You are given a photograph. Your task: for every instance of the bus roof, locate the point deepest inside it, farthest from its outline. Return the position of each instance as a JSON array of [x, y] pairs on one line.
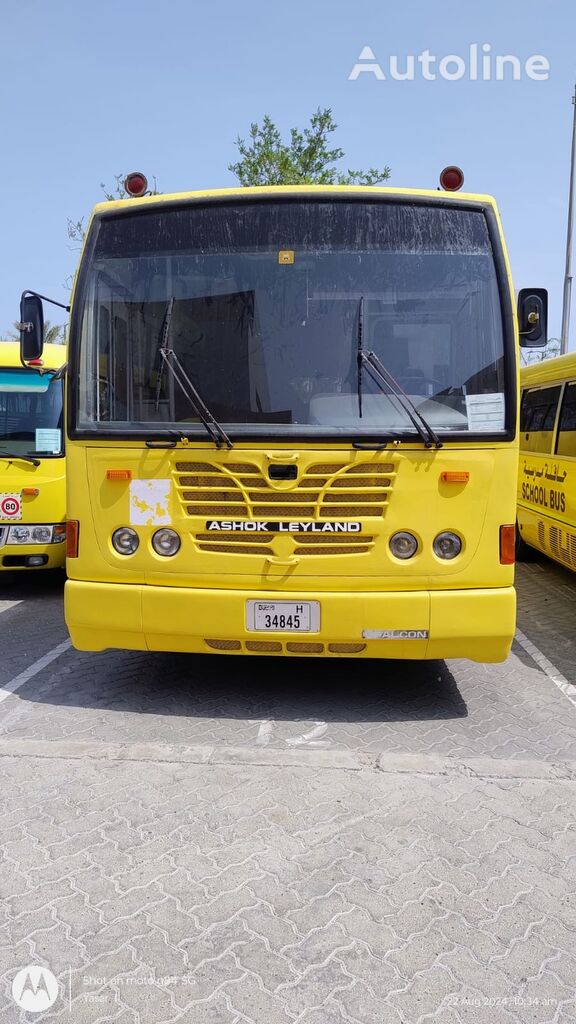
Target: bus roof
[[549, 370], [271, 191], [53, 356]]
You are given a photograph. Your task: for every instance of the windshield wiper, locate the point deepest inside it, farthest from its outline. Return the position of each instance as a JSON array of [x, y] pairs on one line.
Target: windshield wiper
[[14, 455], [387, 383], [173, 364]]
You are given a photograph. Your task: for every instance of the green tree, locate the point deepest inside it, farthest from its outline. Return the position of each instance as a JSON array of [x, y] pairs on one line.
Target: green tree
[[265, 159]]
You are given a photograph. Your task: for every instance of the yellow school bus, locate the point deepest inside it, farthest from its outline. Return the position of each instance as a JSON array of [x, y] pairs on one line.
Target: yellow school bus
[[292, 425], [32, 473], [547, 476]]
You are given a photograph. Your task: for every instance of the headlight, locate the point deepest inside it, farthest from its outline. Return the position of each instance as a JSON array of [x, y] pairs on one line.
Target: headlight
[[447, 545], [403, 545], [37, 533], [19, 535], [166, 542], [125, 540], [41, 534]]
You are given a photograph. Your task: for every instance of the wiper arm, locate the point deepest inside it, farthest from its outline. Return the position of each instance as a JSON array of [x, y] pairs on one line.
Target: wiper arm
[[173, 364], [385, 381], [14, 455], [60, 373]]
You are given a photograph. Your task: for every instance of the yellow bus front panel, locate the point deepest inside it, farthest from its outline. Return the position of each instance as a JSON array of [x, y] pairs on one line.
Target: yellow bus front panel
[[463, 607]]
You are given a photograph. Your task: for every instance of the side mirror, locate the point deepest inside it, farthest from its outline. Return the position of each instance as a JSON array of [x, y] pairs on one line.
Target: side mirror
[[533, 317], [31, 326]]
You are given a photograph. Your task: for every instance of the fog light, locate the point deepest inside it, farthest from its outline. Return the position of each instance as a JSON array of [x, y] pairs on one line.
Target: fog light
[[166, 542], [42, 534], [403, 545], [447, 545], [36, 560], [125, 540]]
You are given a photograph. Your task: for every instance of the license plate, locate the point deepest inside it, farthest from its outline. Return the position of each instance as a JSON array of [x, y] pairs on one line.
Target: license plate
[[283, 616]]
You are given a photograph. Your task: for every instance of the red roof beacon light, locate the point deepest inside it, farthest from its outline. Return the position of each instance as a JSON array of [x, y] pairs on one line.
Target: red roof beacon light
[[452, 179], [136, 184]]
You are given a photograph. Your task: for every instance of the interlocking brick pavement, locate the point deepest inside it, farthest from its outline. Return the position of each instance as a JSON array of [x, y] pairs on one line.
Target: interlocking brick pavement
[[347, 895], [227, 840]]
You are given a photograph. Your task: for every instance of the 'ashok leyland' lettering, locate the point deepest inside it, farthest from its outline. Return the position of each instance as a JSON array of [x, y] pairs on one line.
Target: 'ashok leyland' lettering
[[254, 526]]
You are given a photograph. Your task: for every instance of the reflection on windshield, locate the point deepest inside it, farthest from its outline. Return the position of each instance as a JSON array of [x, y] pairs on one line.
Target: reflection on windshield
[[265, 317], [30, 412]]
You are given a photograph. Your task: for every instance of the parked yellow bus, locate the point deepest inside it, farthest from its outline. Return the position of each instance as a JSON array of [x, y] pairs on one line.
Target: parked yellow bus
[[292, 424], [32, 473], [547, 476]]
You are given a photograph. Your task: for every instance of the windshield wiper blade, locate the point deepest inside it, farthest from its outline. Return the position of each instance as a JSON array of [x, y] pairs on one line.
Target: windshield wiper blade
[[385, 381], [360, 352], [172, 363], [15, 455]]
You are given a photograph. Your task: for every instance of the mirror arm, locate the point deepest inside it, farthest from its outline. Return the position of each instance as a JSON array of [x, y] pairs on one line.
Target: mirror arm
[[46, 299]]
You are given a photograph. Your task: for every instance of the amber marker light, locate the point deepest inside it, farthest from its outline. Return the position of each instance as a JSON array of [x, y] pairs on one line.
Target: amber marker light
[[507, 545], [455, 477], [118, 474], [72, 531]]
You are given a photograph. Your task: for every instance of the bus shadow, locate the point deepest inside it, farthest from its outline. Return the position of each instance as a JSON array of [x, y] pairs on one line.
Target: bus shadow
[[241, 688], [32, 585]]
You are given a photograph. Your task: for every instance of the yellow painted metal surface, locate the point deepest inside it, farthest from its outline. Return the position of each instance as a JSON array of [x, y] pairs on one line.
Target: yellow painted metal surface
[[475, 624], [48, 479], [547, 478]]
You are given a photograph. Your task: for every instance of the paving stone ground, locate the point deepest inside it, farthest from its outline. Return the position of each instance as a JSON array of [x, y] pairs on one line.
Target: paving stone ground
[[224, 840]]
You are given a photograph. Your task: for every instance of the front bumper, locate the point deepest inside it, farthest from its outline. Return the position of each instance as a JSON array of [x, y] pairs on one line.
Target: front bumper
[[15, 557], [474, 624]]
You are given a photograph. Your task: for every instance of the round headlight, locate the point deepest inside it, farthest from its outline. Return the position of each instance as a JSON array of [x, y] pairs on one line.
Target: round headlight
[[166, 542], [403, 545], [447, 545], [42, 534], [20, 535], [125, 540]]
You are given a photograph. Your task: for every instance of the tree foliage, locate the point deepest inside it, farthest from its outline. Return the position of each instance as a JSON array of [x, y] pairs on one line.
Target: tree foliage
[[265, 159]]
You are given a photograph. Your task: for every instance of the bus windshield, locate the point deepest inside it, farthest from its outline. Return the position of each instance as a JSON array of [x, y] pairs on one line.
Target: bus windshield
[[265, 318], [30, 413]]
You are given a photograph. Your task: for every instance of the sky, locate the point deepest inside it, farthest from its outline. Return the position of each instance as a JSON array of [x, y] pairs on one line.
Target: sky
[[89, 91]]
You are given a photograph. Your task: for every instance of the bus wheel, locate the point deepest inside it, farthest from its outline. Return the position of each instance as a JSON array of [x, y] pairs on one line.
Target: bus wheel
[[524, 553]]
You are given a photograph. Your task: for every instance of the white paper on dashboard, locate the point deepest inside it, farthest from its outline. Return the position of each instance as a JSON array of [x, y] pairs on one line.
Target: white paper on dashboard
[[48, 439], [485, 412]]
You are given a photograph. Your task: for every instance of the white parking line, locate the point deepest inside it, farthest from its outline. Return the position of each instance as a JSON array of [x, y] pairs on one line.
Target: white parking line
[[33, 670], [5, 605], [568, 689]]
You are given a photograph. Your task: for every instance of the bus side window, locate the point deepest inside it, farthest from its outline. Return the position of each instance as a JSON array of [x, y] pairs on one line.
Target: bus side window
[[537, 418], [567, 428]]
